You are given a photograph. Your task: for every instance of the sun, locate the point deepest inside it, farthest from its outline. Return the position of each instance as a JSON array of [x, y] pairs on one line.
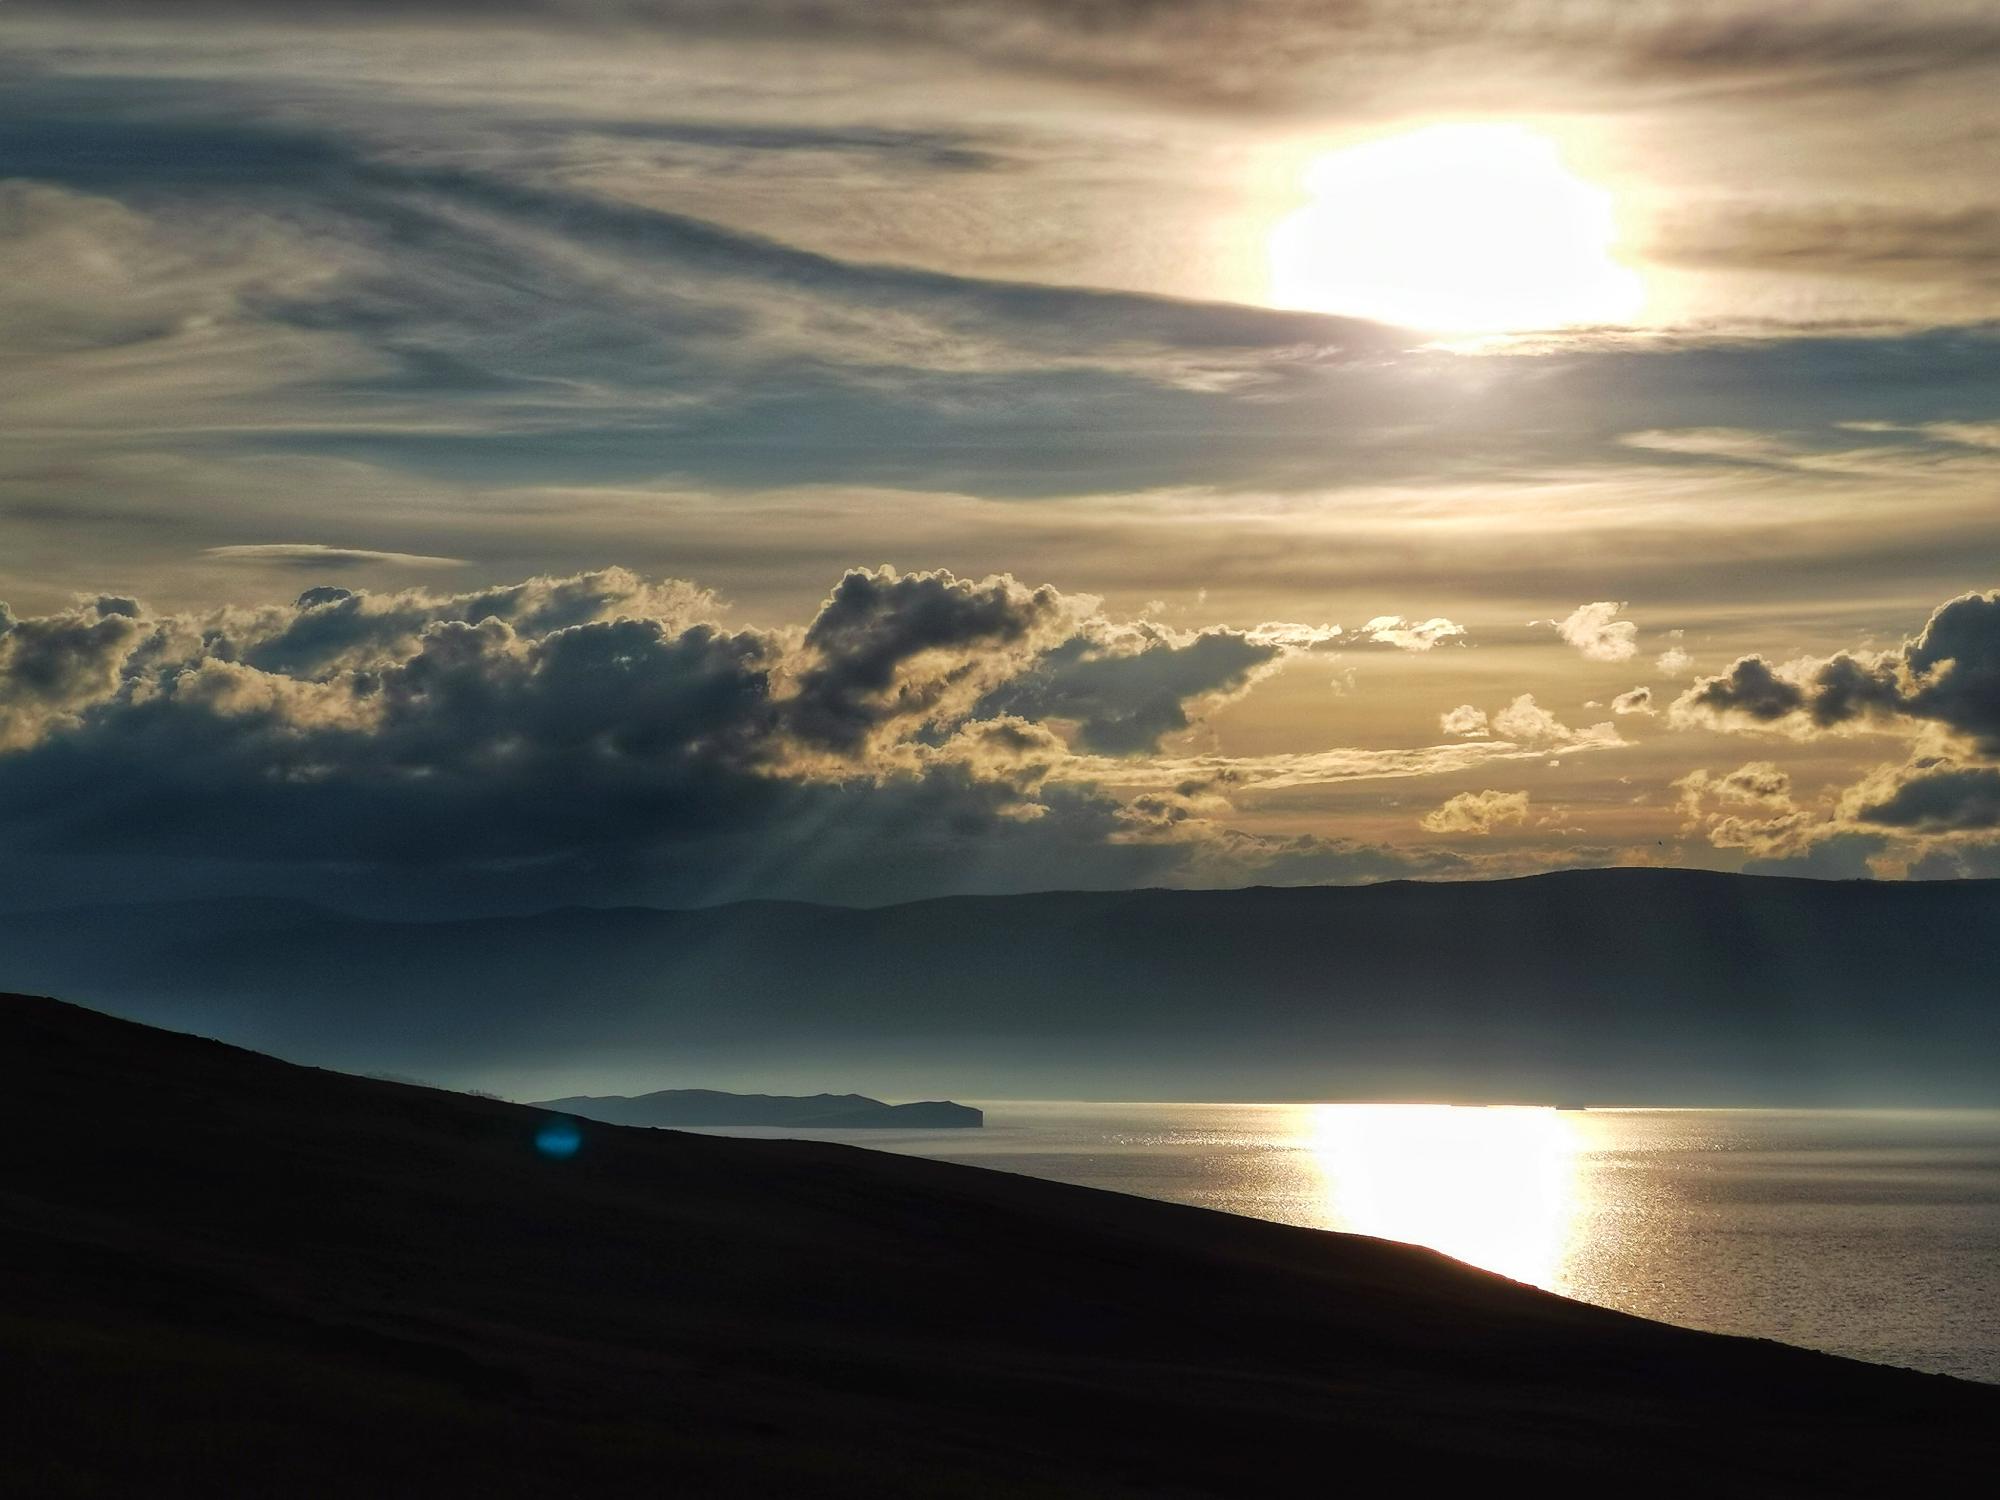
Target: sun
[[1454, 229]]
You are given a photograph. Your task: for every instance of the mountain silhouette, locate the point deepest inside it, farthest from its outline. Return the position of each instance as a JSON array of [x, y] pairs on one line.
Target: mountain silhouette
[[1670, 987]]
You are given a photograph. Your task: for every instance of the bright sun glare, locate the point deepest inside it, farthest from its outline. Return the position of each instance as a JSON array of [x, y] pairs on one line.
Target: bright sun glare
[[1495, 1187], [1454, 229]]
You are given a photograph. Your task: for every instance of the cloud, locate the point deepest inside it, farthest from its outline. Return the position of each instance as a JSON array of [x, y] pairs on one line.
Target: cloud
[[53, 666], [1528, 723], [1410, 635], [1966, 861], [1953, 669], [1476, 812], [1264, 56], [1750, 692], [318, 555], [1929, 797], [608, 733], [1757, 782], [1595, 630], [1948, 675], [1127, 689], [1874, 241], [1839, 854], [1933, 816], [1673, 662], [1638, 701], [1750, 809], [1465, 720]]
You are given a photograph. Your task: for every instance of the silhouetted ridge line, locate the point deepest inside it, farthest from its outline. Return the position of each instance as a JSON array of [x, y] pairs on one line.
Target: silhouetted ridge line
[[1616, 986]]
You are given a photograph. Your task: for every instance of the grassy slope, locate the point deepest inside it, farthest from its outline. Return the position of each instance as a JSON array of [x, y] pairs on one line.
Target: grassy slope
[[222, 1274]]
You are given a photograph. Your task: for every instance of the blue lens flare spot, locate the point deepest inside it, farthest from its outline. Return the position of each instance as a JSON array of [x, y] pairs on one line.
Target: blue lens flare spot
[[559, 1138]]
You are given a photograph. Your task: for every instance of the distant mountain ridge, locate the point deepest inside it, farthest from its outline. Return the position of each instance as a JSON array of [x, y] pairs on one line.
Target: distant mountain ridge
[[668, 1108], [1633, 986]]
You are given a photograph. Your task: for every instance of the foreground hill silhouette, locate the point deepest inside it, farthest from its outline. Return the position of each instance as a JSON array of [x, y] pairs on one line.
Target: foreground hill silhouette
[[704, 1107], [1674, 987], [222, 1274]]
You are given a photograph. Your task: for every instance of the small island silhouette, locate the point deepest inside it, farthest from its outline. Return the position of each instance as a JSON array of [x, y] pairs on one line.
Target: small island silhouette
[[682, 1108]]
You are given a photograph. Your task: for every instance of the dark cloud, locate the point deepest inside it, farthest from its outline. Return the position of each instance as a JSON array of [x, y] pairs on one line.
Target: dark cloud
[[1753, 690], [1948, 675], [954, 151], [1955, 664], [1893, 243], [480, 746], [1952, 799], [606, 730], [1260, 55], [1848, 688], [330, 627], [1816, 46], [1127, 693], [875, 624], [1839, 855], [51, 665], [1964, 861]]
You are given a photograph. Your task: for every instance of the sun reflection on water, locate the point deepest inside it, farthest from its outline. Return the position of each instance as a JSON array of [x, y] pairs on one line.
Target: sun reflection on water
[[1498, 1187]]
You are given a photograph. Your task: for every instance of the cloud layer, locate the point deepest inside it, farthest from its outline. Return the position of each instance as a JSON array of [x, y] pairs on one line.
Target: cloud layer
[[973, 729]]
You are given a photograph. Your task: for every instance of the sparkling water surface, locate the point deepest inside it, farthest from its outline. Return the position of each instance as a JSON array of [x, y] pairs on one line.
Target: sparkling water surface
[[1874, 1234]]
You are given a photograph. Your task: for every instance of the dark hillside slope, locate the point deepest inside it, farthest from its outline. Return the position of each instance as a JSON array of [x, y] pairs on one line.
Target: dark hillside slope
[[221, 1274]]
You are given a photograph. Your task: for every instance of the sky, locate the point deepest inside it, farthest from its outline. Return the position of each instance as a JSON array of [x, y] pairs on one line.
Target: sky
[[467, 457]]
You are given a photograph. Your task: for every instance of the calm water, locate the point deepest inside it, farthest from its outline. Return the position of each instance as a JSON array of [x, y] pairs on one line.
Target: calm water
[[1873, 1234]]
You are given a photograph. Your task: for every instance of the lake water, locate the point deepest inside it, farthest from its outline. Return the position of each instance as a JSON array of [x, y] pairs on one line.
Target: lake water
[[1869, 1233]]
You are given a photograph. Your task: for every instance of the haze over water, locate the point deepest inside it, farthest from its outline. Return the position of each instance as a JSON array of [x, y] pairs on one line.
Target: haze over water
[[1874, 1234]]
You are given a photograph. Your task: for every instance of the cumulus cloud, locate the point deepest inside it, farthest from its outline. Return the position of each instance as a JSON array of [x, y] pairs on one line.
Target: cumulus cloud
[[1753, 811], [1928, 796], [1757, 782], [1751, 692], [1673, 662], [1127, 688], [1750, 809], [603, 721], [52, 666], [1934, 815], [1464, 720], [1638, 701], [1947, 675], [1596, 631], [1410, 635], [329, 627], [1526, 722], [896, 651], [1476, 812]]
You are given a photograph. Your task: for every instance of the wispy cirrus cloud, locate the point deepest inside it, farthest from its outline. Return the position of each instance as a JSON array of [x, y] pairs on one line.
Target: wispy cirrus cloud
[[321, 556]]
